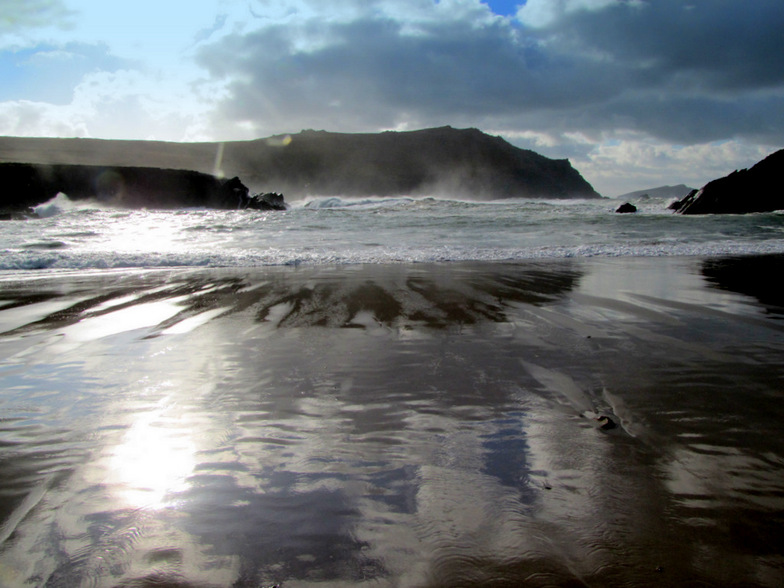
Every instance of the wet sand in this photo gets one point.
(579, 422)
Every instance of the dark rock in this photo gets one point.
(25, 185)
(267, 201)
(232, 194)
(605, 423)
(757, 189)
(14, 214)
(626, 207)
(678, 204)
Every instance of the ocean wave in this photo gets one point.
(326, 202)
(370, 231)
(40, 259)
(61, 203)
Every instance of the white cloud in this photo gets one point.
(578, 138)
(543, 13)
(531, 138)
(16, 15)
(635, 162)
(37, 119)
(117, 105)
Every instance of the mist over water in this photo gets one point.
(75, 235)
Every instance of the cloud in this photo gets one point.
(20, 14)
(27, 118)
(544, 13)
(622, 161)
(569, 78)
(704, 46)
(206, 33)
(653, 164)
(119, 104)
(114, 72)
(380, 71)
(702, 72)
(49, 72)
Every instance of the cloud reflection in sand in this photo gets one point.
(403, 425)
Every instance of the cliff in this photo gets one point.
(443, 161)
(757, 189)
(24, 185)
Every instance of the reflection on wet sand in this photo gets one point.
(424, 295)
(390, 425)
(752, 276)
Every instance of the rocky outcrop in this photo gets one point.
(267, 201)
(17, 214)
(465, 163)
(626, 208)
(678, 204)
(757, 189)
(24, 185)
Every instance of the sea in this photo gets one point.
(319, 231)
(391, 392)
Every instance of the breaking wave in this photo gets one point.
(332, 230)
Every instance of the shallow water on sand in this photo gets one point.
(394, 425)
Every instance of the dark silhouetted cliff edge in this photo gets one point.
(757, 189)
(464, 163)
(25, 185)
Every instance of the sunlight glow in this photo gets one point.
(154, 459)
(120, 321)
(150, 233)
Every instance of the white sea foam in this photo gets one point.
(79, 235)
(338, 202)
(62, 203)
(109, 260)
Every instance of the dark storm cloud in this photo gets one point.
(696, 71)
(687, 72)
(372, 71)
(696, 119)
(718, 45)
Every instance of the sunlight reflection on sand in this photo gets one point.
(402, 425)
(154, 458)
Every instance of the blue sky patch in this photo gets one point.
(504, 7)
(48, 73)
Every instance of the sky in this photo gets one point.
(635, 93)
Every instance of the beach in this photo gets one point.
(590, 421)
(431, 294)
